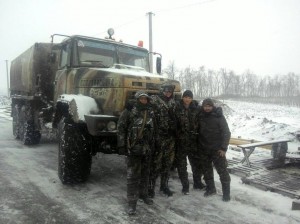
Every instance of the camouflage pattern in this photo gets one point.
(31, 75)
(164, 152)
(187, 133)
(87, 66)
(109, 87)
(214, 136)
(138, 168)
(111, 84)
(139, 149)
(106, 71)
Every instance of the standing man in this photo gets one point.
(187, 111)
(214, 140)
(135, 134)
(164, 152)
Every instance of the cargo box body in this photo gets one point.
(31, 74)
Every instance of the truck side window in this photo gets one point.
(64, 59)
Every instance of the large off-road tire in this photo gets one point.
(74, 157)
(15, 121)
(31, 136)
(25, 128)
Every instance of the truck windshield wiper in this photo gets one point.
(94, 63)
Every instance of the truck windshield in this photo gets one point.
(105, 55)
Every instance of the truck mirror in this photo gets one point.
(158, 65)
(52, 57)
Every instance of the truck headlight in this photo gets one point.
(111, 126)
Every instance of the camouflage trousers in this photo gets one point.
(137, 177)
(188, 149)
(211, 158)
(162, 160)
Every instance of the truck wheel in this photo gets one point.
(15, 121)
(31, 136)
(24, 128)
(74, 157)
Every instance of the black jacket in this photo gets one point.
(187, 120)
(214, 133)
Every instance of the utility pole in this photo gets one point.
(150, 41)
(7, 77)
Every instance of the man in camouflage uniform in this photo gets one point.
(187, 111)
(163, 154)
(214, 140)
(135, 134)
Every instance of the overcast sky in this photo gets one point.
(260, 35)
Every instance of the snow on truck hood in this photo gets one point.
(130, 71)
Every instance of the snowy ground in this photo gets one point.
(30, 191)
(264, 122)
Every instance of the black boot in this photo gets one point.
(210, 188)
(151, 188)
(226, 191)
(151, 193)
(146, 200)
(131, 208)
(185, 187)
(185, 191)
(164, 185)
(197, 178)
(166, 191)
(199, 186)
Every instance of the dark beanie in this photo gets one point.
(208, 101)
(187, 93)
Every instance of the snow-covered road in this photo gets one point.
(32, 193)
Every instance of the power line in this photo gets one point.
(185, 6)
(159, 11)
(123, 24)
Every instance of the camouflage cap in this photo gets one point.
(141, 93)
(167, 87)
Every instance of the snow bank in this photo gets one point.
(264, 122)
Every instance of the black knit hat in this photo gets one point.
(187, 93)
(208, 101)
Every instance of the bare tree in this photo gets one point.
(171, 70)
(226, 79)
(208, 83)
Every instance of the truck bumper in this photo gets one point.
(101, 125)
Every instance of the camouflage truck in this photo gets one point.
(79, 87)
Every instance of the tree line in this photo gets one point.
(226, 83)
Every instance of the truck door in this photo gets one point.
(61, 77)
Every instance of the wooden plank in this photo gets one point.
(275, 181)
(240, 141)
(263, 175)
(251, 145)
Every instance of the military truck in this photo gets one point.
(79, 86)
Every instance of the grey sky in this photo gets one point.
(260, 35)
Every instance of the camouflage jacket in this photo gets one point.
(165, 115)
(130, 131)
(214, 133)
(187, 120)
